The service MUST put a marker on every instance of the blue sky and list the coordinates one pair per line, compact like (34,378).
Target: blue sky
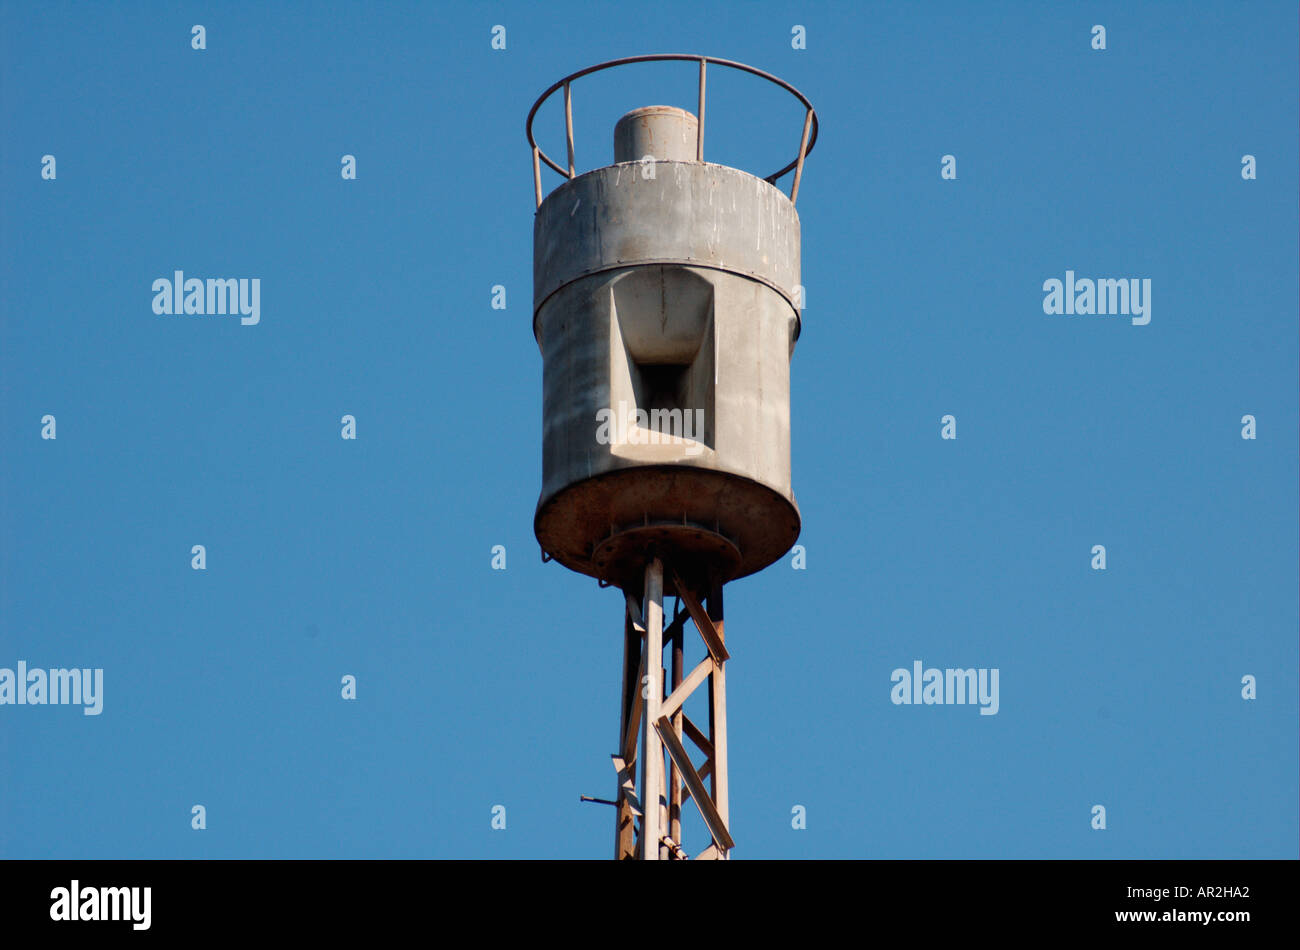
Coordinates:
(372,557)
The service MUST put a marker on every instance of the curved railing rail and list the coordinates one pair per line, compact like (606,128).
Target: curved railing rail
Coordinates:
(806,142)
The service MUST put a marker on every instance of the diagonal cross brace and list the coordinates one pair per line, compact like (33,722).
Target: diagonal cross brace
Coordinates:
(681,693)
(634,715)
(702,622)
(626,786)
(708,811)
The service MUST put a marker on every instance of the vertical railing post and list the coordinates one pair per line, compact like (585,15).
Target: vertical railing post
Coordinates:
(568,125)
(699,128)
(537,175)
(803,148)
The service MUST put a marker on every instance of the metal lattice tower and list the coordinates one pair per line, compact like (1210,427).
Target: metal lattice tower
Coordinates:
(666,304)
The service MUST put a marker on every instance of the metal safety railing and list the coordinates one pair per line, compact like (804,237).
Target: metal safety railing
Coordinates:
(806,141)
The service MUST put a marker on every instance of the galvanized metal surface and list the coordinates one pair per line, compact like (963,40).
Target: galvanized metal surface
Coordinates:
(667,286)
(664,133)
(733,477)
(689,213)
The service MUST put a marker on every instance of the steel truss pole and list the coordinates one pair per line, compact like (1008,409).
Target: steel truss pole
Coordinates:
(656,716)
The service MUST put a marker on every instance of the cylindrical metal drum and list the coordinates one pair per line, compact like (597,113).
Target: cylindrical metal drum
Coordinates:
(666,295)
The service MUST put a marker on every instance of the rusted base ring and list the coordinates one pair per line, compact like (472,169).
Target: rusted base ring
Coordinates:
(690,549)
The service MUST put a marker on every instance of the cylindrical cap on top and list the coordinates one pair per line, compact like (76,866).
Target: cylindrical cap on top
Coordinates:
(664,133)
